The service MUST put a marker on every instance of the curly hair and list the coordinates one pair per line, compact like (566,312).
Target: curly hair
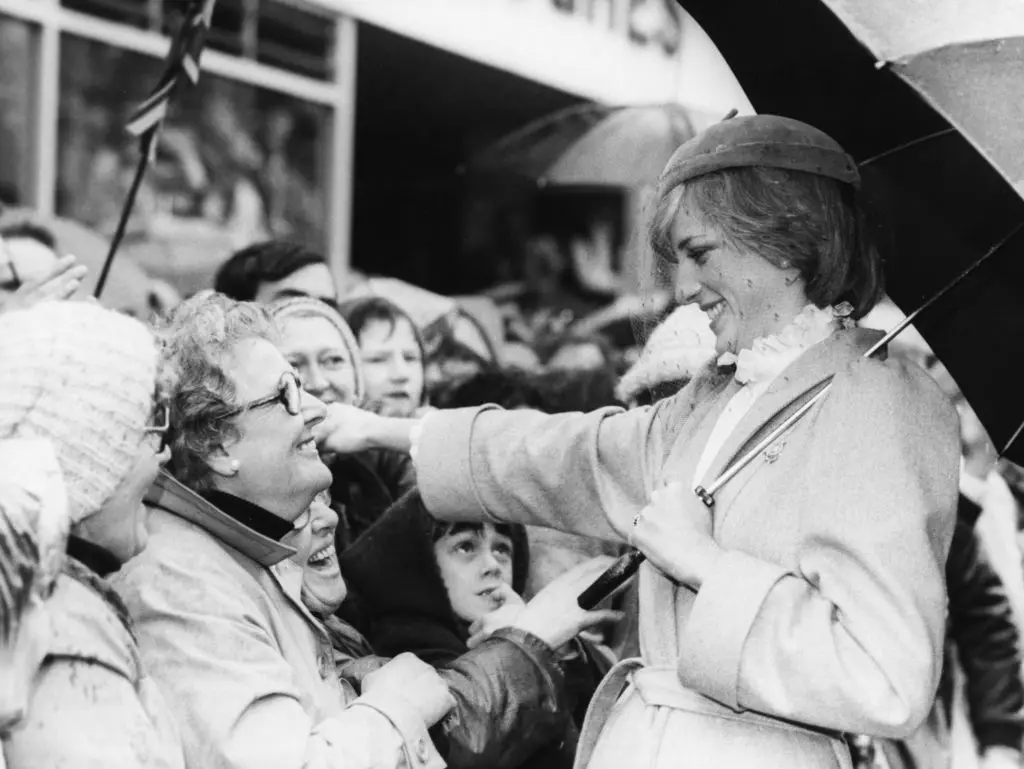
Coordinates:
(811,221)
(195,342)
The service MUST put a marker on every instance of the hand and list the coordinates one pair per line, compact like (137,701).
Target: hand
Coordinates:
(592,259)
(356,670)
(345,430)
(674,532)
(555,617)
(510,606)
(417,683)
(61,282)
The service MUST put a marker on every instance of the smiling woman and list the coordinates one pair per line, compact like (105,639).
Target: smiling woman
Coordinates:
(805,598)
(225,633)
(319,344)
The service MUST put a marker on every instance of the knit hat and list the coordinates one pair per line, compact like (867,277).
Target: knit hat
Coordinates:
(759,140)
(677,349)
(308,307)
(84,378)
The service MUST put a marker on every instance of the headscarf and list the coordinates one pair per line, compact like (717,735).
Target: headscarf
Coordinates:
(308,307)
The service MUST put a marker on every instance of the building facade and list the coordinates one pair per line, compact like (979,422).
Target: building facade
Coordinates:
(303,104)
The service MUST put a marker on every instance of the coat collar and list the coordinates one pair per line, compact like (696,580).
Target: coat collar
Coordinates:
(97,559)
(816,365)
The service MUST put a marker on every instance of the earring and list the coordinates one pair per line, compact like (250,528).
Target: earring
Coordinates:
(785,264)
(234,466)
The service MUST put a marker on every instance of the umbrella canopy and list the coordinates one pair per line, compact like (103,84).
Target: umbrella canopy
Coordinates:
(593,145)
(929,96)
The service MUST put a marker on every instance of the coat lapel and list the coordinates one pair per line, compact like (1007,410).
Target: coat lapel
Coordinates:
(813,367)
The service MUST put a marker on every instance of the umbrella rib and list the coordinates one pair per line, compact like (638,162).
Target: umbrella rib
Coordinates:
(908,145)
(948,287)
(1013,439)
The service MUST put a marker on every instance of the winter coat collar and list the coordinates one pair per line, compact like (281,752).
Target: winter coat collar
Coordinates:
(97,559)
(813,367)
(249,514)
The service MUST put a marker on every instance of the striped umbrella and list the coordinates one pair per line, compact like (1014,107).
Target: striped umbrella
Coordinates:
(929,96)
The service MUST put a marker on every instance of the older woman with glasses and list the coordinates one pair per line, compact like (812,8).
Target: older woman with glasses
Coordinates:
(217,596)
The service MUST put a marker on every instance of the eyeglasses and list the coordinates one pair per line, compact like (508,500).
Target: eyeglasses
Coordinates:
(162,424)
(288,394)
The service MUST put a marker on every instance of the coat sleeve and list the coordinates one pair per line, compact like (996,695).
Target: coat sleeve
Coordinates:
(987,642)
(585,474)
(510,701)
(86,714)
(850,636)
(89,705)
(234,692)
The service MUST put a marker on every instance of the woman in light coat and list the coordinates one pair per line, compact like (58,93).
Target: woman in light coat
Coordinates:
(79,383)
(216,597)
(808,601)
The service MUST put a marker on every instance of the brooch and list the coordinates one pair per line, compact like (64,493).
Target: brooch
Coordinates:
(772,452)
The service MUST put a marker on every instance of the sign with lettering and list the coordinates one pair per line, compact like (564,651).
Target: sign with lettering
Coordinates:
(615,51)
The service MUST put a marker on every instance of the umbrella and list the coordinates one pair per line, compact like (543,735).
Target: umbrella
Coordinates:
(593,145)
(929,96)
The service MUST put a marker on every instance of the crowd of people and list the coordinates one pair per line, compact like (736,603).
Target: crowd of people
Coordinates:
(286,525)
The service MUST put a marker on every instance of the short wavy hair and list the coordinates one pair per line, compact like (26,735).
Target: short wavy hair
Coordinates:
(195,342)
(811,221)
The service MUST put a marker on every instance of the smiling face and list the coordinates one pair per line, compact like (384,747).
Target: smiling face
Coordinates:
(314,348)
(744,294)
(475,560)
(323,588)
(278,466)
(392,365)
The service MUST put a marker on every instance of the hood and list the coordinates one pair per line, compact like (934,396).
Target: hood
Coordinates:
(392,569)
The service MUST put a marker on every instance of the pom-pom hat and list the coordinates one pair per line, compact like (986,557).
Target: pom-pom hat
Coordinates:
(759,140)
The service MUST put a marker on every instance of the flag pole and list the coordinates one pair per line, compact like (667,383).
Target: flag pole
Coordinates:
(182,61)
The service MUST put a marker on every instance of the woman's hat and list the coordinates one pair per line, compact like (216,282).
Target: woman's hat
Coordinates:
(306,307)
(759,140)
(84,378)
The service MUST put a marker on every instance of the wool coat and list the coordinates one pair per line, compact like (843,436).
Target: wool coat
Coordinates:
(248,671)
(826,614)
(91,703)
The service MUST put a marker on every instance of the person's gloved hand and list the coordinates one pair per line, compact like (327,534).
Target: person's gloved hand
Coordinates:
(417,683)
(509,606)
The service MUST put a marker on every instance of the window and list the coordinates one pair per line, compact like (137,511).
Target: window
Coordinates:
(236,163)
(18,86)
(273,32)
